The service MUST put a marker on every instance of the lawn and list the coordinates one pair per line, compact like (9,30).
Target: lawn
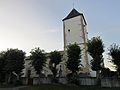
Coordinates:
(66,87)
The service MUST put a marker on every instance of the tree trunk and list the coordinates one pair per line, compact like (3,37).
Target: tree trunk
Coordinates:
(55,71)
(98,77)
(9,78)
(39,79)
(97,74)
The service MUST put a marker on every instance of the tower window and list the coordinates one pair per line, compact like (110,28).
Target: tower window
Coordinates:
(68,30)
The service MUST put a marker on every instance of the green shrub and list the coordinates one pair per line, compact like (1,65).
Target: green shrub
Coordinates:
(73,79)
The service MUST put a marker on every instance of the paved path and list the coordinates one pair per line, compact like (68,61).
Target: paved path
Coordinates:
(15,88)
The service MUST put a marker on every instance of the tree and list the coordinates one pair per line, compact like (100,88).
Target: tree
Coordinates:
(114,52)
(106,72)
(96,49)
(14,62)
(73,63)
(2,65)
(38,60)
(74,56)
(55,59)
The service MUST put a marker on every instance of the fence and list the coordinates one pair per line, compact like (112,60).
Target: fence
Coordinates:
(62,80)
(88,81)
(47,80)
(110,82)
(44,80)
(105,82)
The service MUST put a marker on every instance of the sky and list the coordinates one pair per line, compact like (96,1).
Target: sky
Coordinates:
(26,24)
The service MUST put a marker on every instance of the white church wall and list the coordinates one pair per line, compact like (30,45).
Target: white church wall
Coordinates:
(46,70)
(28,66)
(74,35)
(92,73)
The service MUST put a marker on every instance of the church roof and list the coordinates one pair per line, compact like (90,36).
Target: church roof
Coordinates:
(74,13)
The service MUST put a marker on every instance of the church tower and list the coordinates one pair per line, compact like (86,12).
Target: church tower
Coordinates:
(74,30)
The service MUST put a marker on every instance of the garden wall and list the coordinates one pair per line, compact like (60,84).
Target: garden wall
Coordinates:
(47,80)
(63,80)
(44,80)
(88,81)
(110,82)
(105,82)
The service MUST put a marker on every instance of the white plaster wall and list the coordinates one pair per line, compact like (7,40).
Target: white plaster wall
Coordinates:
(75,34)
(28,66)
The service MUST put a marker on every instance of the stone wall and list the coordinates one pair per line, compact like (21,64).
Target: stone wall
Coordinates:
(105,82)
(63,80)
(88,81)
(110,82)
(44,80)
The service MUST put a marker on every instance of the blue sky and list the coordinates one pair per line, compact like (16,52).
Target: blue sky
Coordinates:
(26,24)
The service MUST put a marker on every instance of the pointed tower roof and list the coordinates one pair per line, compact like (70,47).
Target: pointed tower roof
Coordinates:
(74,13)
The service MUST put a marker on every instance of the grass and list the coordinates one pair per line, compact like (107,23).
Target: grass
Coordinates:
(66,87)
(7,86)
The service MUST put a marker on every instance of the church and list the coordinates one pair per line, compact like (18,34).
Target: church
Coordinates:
(74,31)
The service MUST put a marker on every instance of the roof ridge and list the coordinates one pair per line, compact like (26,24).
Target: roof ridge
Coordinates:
(72,14)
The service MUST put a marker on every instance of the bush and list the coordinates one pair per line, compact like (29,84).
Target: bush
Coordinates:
(54,80)
(18,82)
(73,79)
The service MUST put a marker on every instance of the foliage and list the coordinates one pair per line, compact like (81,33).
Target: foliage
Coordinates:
(2,65)
(38,59)
(73,78)
(74,56)
(14,60)
(106,72)
(11,61)
(96,49)
(73,63)
(1,61)
(114,52)
(55,59)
